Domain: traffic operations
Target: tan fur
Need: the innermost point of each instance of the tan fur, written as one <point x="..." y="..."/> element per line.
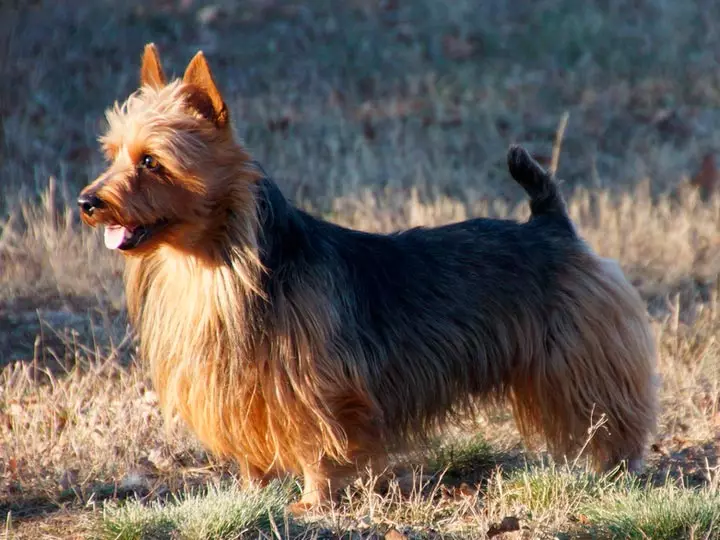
<point x="151" y="72"/>
<point x="208" y="99"/>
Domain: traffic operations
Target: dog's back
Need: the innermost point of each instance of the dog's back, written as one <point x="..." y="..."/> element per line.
<point x="436" y="321"/>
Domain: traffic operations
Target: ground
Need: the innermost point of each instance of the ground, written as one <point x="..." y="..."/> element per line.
<point x="378" y="115"/>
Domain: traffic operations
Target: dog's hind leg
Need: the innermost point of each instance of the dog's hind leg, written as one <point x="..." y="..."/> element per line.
<point x="591" y="384"/>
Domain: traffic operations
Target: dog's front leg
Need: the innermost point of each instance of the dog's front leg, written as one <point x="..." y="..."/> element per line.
<point x="251" y="474"/>
<point x="316" y="489"/>
<point x="320" y="481"/>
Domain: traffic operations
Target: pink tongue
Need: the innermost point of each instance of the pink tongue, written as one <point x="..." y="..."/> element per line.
<point x="114" y="236"/>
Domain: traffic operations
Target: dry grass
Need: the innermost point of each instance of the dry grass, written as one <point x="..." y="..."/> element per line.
<point x="377" y="117"/>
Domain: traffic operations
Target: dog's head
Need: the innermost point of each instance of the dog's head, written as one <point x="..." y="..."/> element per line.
<point x="174" y="167"/>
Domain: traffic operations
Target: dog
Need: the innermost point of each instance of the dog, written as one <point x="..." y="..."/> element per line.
<point x="294" y="345"/>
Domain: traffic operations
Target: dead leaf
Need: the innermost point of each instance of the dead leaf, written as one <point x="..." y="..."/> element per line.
<point x="457" y="48"/>
<point x="336" y="98"/>
<point x="61" y="418"/>
<point x="160" y="460"/>
<point x="679" y="441"/>
<point x="68" y="480"/>
<point x="281" y="124"/>
<point x="389" y="5"/>
<point x="658" y="448"/>
<point x="707" y="177"/>
<point x="394" y="534"/>
<point x="508" y="524"/>
<point x="460" y="492"/>
<point x="368" y="130"/>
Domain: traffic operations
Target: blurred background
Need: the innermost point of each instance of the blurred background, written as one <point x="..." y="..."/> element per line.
<point x="336" y="97"/>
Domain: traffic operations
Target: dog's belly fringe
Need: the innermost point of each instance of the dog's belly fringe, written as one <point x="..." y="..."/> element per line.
<point x="270" y="398"/>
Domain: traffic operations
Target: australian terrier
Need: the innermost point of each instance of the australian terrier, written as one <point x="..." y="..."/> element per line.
<point x="295" y="345"/>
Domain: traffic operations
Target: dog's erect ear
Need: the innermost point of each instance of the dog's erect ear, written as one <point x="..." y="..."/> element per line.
<point x="204" y="94"/>
<point x="151" y="72"/>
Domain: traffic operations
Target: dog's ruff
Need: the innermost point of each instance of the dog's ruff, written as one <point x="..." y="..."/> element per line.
<point x="293" y="344"/>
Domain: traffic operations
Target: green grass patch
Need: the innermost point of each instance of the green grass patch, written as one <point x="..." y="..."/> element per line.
<point x="216" y="513"/>
<point x="460" y="457"/>
<point x="667" y="512"/>
<point x="606" y="508"/>
<point x="550" y="488"/>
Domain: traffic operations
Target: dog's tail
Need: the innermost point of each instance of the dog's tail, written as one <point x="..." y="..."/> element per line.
<point x="545" y="197"/>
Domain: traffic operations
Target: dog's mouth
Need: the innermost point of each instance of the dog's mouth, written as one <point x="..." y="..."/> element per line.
<point x="126" y="238"/>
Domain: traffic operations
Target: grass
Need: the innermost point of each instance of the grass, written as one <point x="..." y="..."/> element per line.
<point x="668" y="512"/>
<point x="376" y="115"/>
<point x="211" y="514"/>
<point x="540" y="500"/>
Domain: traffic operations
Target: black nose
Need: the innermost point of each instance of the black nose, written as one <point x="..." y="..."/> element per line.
<point x="89" y="203"/>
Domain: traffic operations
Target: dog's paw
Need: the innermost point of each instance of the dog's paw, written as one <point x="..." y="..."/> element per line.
<point x="300" y="508"/>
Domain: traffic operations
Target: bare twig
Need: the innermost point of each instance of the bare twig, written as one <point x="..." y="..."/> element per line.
<point x="557" y="145"/>
<point x="592" y="430"/>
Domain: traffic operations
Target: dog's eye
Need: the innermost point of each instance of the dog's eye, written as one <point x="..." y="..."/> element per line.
<point x="149" y="162"/>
